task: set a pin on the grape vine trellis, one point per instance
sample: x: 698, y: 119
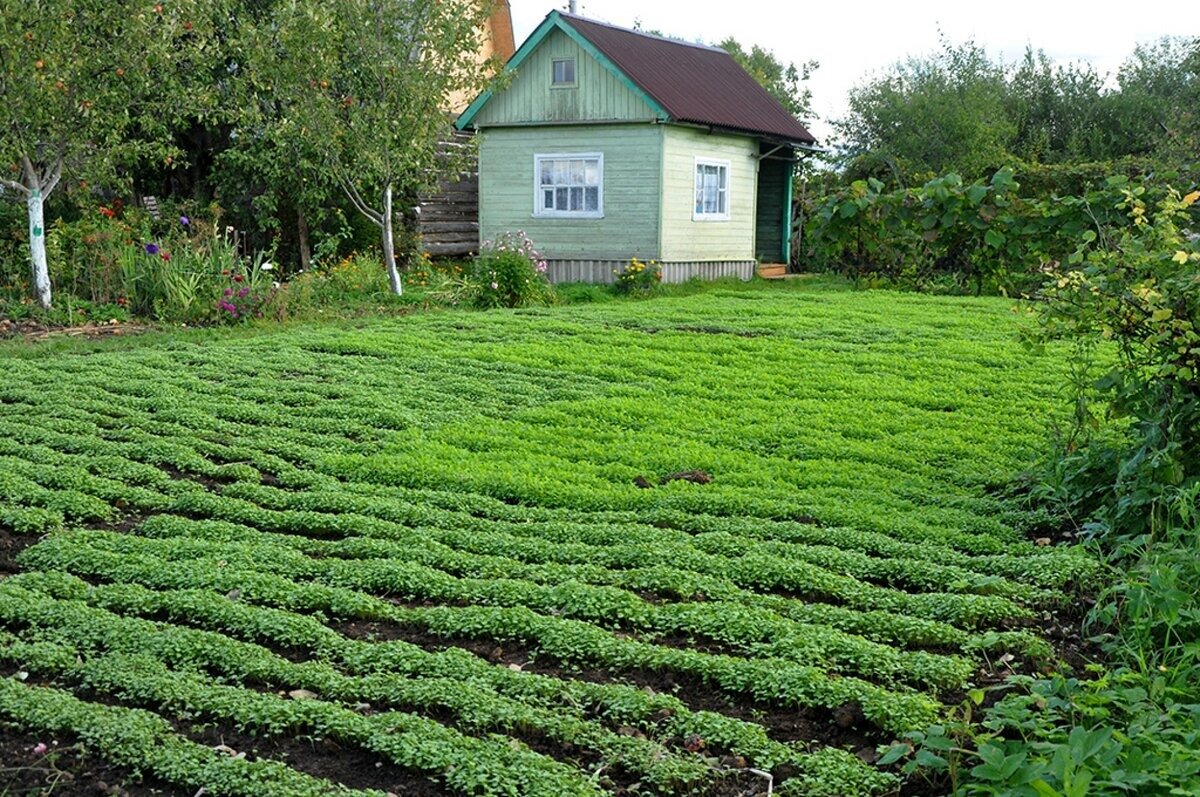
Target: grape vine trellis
x: 363, y: 514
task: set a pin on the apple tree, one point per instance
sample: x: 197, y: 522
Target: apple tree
x: 88, y: 88
x: 366, y: 85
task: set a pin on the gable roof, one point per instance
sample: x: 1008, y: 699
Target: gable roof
x: 682, y: 82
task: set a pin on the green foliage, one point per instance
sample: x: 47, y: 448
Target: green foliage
x: 162, y: 270
x: 358, y: 91
x: 1135, y: 287
x: 959, y: 110
x: 948, y: 235
x: 509, y: 272
x: 92, y: 88
x: 466, y: 482
x: 639, y: 278
x: 942, y: 113
x: 787, y: 84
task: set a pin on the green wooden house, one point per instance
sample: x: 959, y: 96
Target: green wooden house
x: 607, y: 144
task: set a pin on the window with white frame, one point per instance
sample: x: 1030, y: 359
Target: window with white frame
x: 712, y: 190
x: 569, y: 185
x: 562, y: 72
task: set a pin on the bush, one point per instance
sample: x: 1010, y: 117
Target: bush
x: 509, y: 272
x: 1136, y: 288
x: 951, y: 235
x: 638, y: 277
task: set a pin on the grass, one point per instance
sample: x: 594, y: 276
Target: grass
x: 617, y: 548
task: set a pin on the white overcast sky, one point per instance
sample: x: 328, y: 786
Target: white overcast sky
x: 854, y: 38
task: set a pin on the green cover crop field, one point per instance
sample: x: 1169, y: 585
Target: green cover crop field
x: 629, y: 548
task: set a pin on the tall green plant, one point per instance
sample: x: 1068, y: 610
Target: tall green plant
x: 1137, y: 288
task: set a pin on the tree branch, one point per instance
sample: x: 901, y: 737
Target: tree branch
x: 50, y: 178
x: 14, y: 185
x: 357, y: 200
x: 31, y: 174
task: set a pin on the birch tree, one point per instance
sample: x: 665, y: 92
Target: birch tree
x: 368, y: 83
x: 88, y: 87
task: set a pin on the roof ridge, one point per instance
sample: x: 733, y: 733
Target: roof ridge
x: 668, y: 39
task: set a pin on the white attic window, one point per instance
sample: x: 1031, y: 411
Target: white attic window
x: 562, y: 72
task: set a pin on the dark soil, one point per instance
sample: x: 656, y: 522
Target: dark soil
x: 67, y: 770
x: 12, y: 544
x: 843, y: 727
x: 350, y: 766
x: 32, y: 329
x: 208, y: 482
x: 741, y: 333
x: 693, y: 476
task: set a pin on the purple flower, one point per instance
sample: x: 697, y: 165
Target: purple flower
x: 184, y: 220
x: 152, y: 249
x: 229, y: 291
x: 243, y: 293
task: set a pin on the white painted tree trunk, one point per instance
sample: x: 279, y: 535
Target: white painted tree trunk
x: 37, y: 249
x: 389, y: 245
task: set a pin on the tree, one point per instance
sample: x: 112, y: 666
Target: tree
x: 87, y: 88
x: 1062, y: 112
x: 785, y: 83
x: 1160, y: 99
x: 932, y: 115
x: 366, y: 85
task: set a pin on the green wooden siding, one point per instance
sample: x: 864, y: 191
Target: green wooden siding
x: 773, y: 178
x: 631, y: 188
x: 599, y: 96
x: 685, y: 239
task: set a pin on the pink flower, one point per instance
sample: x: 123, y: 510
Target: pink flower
x: 41, y: 749
x: 495, y: 286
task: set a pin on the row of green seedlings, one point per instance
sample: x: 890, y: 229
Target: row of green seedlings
x: 745, y: 631
x: 755, y: 569
x: 572, y: 642
x: 258, y: 417
x: 146, y: 743
x: 362, y: 563
x: 467, y: 764
x: 467, y: 688
x: 1048, y: 568
x: 578, y: 542
x: 171, y: 431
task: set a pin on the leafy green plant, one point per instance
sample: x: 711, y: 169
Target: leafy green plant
x: 1134, y: 289
x: 641, y: 278
x: 509, y: 272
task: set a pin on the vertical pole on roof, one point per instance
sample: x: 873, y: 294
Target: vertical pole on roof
x: 572, y: 6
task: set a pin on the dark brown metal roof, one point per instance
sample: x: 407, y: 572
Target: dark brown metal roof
x: 692, y: 82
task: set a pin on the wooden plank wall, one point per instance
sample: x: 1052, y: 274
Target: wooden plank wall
x: 448, y: 219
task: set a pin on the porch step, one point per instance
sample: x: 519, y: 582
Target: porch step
x: 772, y: 271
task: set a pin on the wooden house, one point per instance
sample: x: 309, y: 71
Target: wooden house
x: 607, y: 144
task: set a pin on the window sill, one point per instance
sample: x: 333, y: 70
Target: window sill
x: 568, y: 215
x: 707, y: 219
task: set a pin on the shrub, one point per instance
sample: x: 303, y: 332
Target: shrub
x: 1136, y: 288
x: 509, y: 272
x: 638, y: 277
